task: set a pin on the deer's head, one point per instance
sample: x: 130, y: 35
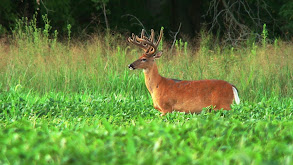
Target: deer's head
x: 150, y: 50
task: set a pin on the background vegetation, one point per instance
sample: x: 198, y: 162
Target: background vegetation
x: 69, y: 101
x: 220, y: 17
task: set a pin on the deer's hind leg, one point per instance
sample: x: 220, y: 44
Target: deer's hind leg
x: 164, y: 108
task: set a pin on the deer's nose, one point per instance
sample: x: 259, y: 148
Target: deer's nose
x: 131, y: 67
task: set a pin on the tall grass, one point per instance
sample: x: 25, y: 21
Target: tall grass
x: 37, y: 61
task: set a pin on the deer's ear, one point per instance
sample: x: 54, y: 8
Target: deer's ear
x: 158, y: 54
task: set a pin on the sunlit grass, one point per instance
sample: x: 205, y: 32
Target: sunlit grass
x: 97, y: 66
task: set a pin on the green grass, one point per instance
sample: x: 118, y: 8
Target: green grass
x: 76, y: 102
x: 82, y: 128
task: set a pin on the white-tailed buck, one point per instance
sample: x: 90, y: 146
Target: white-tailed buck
x: 179, y: 95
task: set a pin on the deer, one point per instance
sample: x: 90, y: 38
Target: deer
x: 188, y: 96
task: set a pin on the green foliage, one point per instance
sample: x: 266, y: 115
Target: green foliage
x: 28, y: 31
x: 264, y: 35
x: 286, y: 13
x: 7, y: 16
x: 206, y: 42
x: 69, y: 33
x: 2, y: 30
x: 84, y: 128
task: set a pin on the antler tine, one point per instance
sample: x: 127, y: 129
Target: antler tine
x: 152, y: 35
x: 133, y: 40
x: 150, y: 45
x: 147, y: 44
x: 151, y: 39
x: 160, y: 37
x: 143, y: 37
x: 142, y: 33
x: 155, y: 44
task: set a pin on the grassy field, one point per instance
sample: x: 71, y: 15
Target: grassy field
x: 76, y: 102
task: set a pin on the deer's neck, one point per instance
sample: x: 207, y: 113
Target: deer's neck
x: 152, y: 78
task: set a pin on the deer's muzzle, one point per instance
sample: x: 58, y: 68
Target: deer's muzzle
x: 131, y: 67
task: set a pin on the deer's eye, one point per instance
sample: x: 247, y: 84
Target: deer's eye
x: 143, y: 60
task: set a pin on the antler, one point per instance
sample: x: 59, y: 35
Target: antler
x: 147, y: 44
